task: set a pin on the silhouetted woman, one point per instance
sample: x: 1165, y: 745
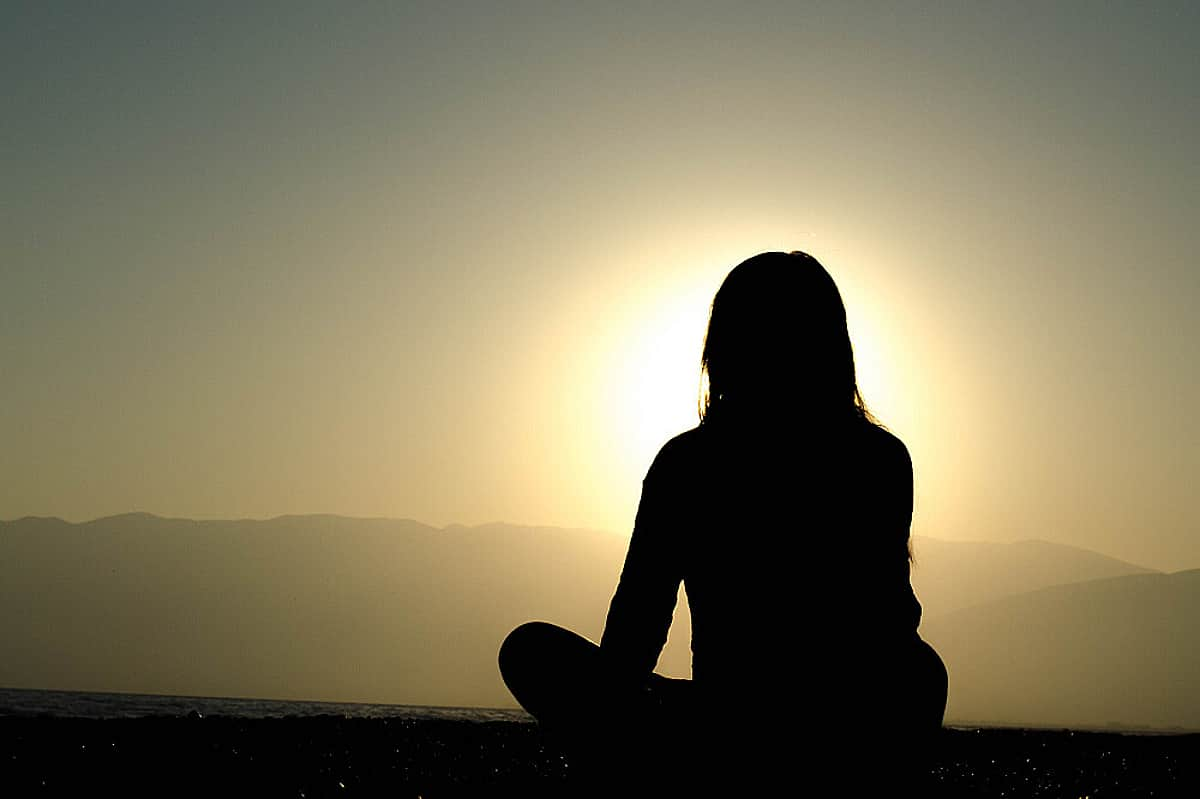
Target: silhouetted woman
x: 785, y: 514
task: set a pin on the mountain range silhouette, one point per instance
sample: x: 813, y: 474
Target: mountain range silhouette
x: 395, y: 611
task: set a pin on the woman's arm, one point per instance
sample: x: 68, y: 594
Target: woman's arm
x: 643, y: 605
x: 897, y: 524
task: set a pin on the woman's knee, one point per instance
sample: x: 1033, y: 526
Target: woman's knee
x: 935, y: 680
x: 935, y: 667
x: 520, y: 648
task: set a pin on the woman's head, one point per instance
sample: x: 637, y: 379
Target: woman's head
x: 777, y: 343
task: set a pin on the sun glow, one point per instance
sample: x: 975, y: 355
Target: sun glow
x: 872, y: 371
x: 661, y: 370
x: 659, y: 366
x: 641, y: 384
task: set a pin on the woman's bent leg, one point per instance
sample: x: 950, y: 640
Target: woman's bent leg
x: 609, y: 724
x: 933, y: 682
x: 556, y: 675
x: 913, y: 707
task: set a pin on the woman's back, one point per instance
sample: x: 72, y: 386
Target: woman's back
x: 782, y: 539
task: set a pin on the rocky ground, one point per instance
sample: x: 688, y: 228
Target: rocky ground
x: 405, y: 758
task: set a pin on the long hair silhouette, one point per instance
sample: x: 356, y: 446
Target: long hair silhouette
x: 778, y: 343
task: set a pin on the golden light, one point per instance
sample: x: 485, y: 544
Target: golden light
x: 872, y: 369
x: 657, y: 363
x: 882, y: 358
x: 638, y: 382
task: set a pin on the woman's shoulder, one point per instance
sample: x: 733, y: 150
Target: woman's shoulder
x: 695, y: 456
x: 885, y: 443
x: 883, y: 454
x: 680, y: 450
x: 690, y: 450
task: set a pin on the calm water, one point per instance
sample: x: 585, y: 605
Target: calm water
x: 78, y: 704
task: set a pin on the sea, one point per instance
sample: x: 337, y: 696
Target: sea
x: 26, y: 703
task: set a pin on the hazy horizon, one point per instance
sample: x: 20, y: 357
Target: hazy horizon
x: 494, y: 523
x: 453, y: 261
x: 394, y: 611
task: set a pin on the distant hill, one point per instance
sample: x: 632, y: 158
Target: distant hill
x: 318, y: 607
x: 1124, y: 650
x: 952, y: 575
x: 377, y: 610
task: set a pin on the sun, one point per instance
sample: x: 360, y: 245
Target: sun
x: 659, y: 366
x: 641, y: 384
x: 660, y: 371
x: 874, y: 371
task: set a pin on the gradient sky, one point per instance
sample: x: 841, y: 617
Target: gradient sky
x: 452, y: 261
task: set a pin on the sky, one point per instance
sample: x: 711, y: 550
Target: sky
x: 452, y: 261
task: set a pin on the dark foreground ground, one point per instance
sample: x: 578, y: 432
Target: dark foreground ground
x: 331, y: 756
